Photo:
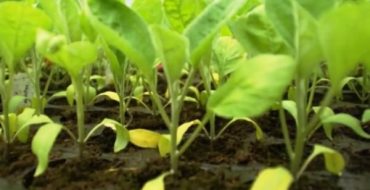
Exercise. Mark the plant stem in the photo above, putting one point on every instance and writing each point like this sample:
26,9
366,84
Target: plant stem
195,133
36,77
285,131
175,113
79,89
312,93
301,125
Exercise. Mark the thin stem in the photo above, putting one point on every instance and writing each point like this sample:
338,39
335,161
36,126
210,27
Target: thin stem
157,101
312,93
195,134
36,77
80,109
285,131
175,113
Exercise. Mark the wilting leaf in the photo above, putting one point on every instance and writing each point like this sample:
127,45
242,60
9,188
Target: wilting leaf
42,143
144,138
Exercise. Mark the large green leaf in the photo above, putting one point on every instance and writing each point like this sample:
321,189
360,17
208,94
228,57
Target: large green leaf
181,12
256,85
52,8
277,178
18,23
256,33
202,29
172,49
309,53
227,54
317,8
72,57
151,10
42,143
280,14
71,13
345,38
123,29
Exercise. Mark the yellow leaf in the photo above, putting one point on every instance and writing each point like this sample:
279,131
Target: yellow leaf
273,178
144,138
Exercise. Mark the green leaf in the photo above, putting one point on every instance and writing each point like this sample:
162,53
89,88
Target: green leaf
366,116
144,138
42,143
156,183
15,103
334,161
70,94
74,57
18,23
25,123
202,29
123,29
277,178
255,86
328,127
317,8
151,10
309,54
181,12
343,52
71,13
122,134
280,14
227,54
172,49
291,107
256,34
348,121
52,8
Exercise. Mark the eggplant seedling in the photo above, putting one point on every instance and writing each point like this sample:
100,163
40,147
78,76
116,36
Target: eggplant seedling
18,23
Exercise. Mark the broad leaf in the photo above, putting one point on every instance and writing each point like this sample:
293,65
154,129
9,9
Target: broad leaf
181,12
328,127
18,23
256,34
317,8
156,183
334,161
71,13
277,178
144,138
227,54
72,57
23,130
151,10
309,53
172,49
42,143
108,94
345,37
280,14
255,86
202,29
123,29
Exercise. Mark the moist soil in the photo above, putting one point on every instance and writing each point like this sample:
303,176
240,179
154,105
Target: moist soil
230,162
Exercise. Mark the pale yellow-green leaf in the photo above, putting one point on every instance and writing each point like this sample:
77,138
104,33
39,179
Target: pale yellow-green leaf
277,178
144,138
156,183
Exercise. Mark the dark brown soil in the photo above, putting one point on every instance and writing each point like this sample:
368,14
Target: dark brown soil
230,162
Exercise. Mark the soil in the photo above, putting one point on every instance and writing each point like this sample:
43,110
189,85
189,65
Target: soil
230,162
